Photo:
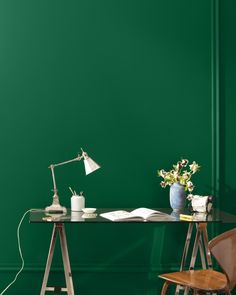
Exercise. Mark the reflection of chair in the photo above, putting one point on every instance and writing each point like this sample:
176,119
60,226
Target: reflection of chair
223,248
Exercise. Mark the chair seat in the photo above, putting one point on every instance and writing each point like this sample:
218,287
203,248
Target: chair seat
206,279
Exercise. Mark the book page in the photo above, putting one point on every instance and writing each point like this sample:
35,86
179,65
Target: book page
118,215
145,213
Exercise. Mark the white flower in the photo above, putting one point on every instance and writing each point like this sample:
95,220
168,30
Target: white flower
163,184
184,162
177,174
178,166
190,186
194,167
190,197
186,175
162,173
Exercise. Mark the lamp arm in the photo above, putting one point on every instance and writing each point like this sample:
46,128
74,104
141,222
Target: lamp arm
60,164
66,162
53,179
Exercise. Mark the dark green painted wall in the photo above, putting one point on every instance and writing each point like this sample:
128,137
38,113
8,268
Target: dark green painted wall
130,82
228,104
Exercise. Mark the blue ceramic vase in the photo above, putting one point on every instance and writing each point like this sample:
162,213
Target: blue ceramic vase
177,197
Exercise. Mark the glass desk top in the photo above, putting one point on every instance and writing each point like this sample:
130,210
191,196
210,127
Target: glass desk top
40,216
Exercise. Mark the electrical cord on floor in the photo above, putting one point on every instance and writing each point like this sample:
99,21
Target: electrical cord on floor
19,249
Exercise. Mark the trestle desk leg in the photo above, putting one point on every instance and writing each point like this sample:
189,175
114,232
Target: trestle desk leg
185,253
58,228
207,251
66,261
186,246
200,243
49,259
195,247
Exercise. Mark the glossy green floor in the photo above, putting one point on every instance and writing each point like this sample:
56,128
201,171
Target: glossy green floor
91,283
95,283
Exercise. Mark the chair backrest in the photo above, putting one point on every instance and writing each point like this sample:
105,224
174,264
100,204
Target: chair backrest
223,248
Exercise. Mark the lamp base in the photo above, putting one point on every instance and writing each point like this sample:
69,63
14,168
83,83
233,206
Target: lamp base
55,208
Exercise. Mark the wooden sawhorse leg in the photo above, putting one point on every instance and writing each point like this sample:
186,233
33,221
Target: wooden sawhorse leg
58,228
200,243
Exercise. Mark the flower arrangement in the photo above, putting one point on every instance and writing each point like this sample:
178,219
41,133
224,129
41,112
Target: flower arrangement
178,174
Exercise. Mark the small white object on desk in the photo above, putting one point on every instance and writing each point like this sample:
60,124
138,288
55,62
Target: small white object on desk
77,202
89,215
89,210
202,204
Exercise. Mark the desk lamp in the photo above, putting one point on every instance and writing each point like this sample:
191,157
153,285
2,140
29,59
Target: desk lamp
90,166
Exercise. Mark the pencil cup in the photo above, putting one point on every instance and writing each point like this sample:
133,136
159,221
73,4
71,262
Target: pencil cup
77,203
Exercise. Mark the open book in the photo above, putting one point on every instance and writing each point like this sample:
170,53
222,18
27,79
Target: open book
137,214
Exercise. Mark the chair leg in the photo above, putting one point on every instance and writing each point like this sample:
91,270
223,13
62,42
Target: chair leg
164,288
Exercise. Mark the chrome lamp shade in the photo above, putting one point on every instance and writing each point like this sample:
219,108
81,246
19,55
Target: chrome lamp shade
90,165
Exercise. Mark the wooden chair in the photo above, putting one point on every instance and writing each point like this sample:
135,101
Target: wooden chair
223,249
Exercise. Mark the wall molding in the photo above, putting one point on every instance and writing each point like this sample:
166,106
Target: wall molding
124,268
215,100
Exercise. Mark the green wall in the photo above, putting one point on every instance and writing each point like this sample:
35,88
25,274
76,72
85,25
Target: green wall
228,104
135,83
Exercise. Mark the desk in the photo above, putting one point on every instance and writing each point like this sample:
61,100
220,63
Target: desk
58,221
